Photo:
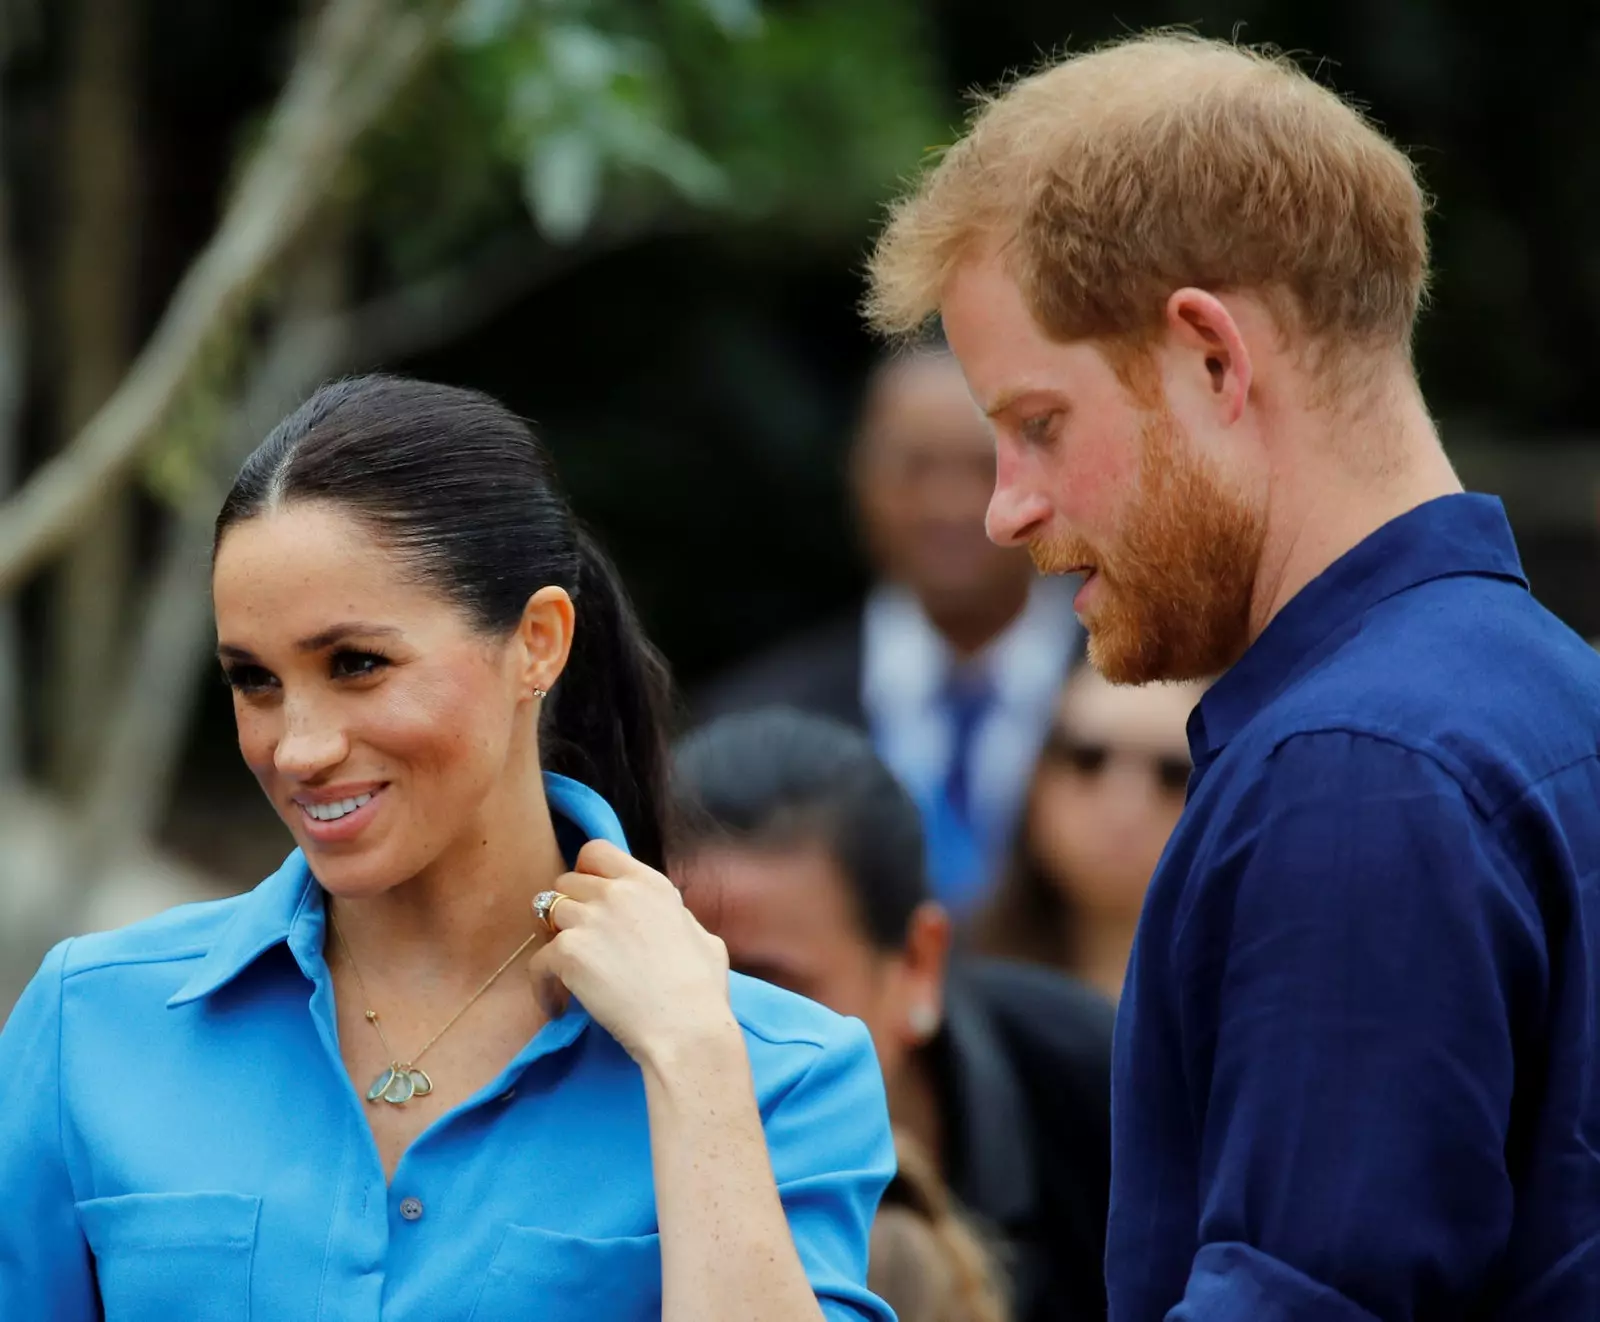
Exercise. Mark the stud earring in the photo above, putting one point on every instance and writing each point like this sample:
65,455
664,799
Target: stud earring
924,1021
540,693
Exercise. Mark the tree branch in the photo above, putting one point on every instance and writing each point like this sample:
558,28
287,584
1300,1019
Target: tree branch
13,380
361,53
140,754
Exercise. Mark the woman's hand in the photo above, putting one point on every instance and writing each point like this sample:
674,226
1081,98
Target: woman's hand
635,956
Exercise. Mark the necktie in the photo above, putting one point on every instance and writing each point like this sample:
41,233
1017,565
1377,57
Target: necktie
957,857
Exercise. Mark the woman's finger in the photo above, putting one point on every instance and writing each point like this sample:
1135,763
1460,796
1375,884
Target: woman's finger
548,988
566,912
584,887
601,858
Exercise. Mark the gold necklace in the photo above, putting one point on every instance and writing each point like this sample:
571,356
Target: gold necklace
402,1081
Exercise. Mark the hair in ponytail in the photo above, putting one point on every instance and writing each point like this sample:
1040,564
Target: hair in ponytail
467,497
605,721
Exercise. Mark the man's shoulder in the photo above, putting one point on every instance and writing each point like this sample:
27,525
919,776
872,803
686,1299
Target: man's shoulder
818,670
1498,697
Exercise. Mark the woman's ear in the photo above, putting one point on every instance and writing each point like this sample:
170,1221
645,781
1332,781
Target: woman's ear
545,635
926,955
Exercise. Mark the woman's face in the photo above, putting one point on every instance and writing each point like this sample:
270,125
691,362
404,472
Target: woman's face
1109,790
382,725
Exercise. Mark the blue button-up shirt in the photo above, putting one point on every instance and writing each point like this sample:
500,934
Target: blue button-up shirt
1357,1065
180,1142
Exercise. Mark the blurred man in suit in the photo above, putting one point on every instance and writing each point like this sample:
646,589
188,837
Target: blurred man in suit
953,662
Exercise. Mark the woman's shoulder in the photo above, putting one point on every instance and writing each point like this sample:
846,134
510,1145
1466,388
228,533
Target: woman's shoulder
234,930
791,1039
176,936
817,1081
781,1018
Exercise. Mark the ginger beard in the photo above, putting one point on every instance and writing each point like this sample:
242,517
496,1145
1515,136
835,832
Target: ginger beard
1175,588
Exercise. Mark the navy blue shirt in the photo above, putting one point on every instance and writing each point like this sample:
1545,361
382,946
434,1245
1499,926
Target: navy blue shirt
1356,1069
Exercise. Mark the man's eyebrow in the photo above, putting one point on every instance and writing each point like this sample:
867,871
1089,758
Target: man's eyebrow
338,633
1009,398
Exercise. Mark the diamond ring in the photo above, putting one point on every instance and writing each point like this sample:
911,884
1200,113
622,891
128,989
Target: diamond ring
544,904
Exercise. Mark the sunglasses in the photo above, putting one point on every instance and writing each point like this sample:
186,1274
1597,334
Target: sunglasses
1089,759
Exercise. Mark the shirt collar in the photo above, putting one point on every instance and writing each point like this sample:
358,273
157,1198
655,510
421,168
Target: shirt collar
906,660
287,908
993,1171
1444,538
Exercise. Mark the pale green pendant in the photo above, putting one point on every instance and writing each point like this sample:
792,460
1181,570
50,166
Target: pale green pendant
398,1084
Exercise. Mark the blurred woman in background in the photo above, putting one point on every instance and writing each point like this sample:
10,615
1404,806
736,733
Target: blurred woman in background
1108,790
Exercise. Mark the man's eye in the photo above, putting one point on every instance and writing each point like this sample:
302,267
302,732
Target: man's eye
243,678
1038,429
353,665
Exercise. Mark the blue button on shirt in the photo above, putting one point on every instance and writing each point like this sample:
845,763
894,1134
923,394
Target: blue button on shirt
1358,1057
180,1141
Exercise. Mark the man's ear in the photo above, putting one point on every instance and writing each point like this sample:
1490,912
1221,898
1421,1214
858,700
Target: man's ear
1203,330
545,633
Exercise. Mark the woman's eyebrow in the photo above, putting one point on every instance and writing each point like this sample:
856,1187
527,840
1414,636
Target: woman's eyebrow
339,632
317,641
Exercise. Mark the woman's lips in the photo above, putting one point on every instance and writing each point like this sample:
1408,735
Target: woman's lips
360,808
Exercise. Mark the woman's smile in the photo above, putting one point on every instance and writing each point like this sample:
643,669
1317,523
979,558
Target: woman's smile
338,813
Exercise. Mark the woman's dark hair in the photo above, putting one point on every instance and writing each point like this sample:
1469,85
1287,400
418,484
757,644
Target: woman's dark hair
466,496
775,778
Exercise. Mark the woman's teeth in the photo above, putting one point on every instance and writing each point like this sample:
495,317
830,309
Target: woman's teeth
332,812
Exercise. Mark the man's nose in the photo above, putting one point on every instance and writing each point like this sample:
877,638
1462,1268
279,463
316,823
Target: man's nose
1016,511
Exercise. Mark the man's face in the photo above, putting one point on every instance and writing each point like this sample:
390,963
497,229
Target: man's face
1094,480
924,469
787,917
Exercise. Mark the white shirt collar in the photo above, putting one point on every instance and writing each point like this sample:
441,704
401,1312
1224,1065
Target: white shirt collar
906,660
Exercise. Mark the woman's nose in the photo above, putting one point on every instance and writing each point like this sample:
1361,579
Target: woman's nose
312,741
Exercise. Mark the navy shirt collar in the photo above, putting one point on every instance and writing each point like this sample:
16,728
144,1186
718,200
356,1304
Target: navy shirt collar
287,908
1450,536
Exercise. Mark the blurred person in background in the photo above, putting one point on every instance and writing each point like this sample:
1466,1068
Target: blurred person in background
927,1262
953,662
1357,1073
1107,792
800,848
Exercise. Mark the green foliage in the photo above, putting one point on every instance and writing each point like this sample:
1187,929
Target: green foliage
622,114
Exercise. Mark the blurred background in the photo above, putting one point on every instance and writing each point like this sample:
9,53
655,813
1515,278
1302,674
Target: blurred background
642,224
